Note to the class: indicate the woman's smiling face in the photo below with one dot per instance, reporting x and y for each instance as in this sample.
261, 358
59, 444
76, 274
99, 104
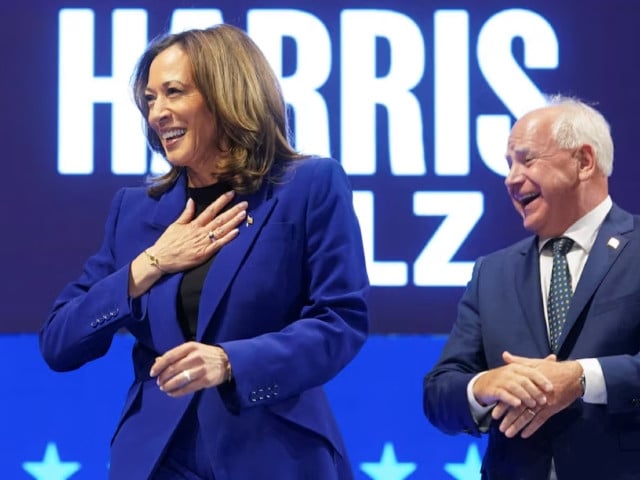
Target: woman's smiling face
179, 114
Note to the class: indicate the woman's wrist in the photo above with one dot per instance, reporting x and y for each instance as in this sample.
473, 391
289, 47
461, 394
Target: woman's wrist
143, 274
228, 372
154, 261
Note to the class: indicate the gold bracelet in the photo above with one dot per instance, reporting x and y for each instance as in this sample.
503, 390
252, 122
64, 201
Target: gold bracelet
154, 261
229, 375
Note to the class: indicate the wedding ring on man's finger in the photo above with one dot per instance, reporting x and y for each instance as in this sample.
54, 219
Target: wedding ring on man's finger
531, 412
211, 236
186, 375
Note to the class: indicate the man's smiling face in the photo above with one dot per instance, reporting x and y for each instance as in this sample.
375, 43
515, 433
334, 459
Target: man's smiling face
543, 180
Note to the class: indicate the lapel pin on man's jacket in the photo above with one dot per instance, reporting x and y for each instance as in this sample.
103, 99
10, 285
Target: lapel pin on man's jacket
249, 220
613, 242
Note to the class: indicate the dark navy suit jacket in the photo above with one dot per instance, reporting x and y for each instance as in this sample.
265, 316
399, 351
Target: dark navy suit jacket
286, 301
502, 310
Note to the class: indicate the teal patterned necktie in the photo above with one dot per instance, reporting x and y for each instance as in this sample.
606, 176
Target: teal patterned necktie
560, 290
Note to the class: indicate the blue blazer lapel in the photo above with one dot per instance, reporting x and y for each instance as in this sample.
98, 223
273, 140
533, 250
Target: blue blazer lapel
527, 282
603, 254
171, 204
165, 329
229, 258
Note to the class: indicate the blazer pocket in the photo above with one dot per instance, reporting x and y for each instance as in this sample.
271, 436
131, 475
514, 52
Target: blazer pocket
310, 411
275, 248
276, 233
271, 273
132, 405
629, 440
625, 302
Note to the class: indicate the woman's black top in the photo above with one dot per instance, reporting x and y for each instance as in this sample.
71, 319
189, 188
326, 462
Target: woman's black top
192, 281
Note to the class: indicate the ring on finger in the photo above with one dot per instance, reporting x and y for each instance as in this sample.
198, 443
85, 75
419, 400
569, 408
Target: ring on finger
187, 375
531, 412
211, 235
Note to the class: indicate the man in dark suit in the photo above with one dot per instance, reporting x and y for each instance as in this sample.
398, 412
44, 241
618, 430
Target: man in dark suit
544, 352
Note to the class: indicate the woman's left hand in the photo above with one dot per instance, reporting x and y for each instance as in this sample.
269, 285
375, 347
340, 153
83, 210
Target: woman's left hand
190, 367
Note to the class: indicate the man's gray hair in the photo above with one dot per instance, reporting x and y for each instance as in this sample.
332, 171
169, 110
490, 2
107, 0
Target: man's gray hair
579, 123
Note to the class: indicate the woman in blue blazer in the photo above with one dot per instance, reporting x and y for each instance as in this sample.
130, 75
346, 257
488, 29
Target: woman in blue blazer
240, 273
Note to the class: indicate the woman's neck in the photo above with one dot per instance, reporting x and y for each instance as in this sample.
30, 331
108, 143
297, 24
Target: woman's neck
199, 180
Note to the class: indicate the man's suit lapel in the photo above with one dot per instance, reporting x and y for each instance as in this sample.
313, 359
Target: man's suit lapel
606, 248
230, 257
527, 282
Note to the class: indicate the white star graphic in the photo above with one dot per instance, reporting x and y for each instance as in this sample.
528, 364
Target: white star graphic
51, 468
388, 468
470, 469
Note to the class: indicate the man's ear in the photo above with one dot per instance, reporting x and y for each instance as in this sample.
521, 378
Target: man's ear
587, 164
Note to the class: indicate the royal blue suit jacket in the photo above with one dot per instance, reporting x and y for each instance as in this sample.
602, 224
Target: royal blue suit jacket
286, 301
502, 310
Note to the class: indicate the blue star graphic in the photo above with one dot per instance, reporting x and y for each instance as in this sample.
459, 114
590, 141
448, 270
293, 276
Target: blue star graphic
51, 468
470, 469
388, 468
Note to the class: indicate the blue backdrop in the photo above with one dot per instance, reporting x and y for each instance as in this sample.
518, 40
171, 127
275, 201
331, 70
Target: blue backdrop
415, 99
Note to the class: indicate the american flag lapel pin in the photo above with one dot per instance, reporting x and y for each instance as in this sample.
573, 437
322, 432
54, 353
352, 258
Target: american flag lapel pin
613, 242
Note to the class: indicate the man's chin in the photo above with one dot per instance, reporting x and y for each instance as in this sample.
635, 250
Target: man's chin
529, 224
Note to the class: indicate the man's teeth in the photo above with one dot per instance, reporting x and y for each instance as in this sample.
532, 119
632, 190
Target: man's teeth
526, 199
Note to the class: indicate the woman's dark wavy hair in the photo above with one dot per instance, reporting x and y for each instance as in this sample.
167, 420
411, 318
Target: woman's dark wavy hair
244, 96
